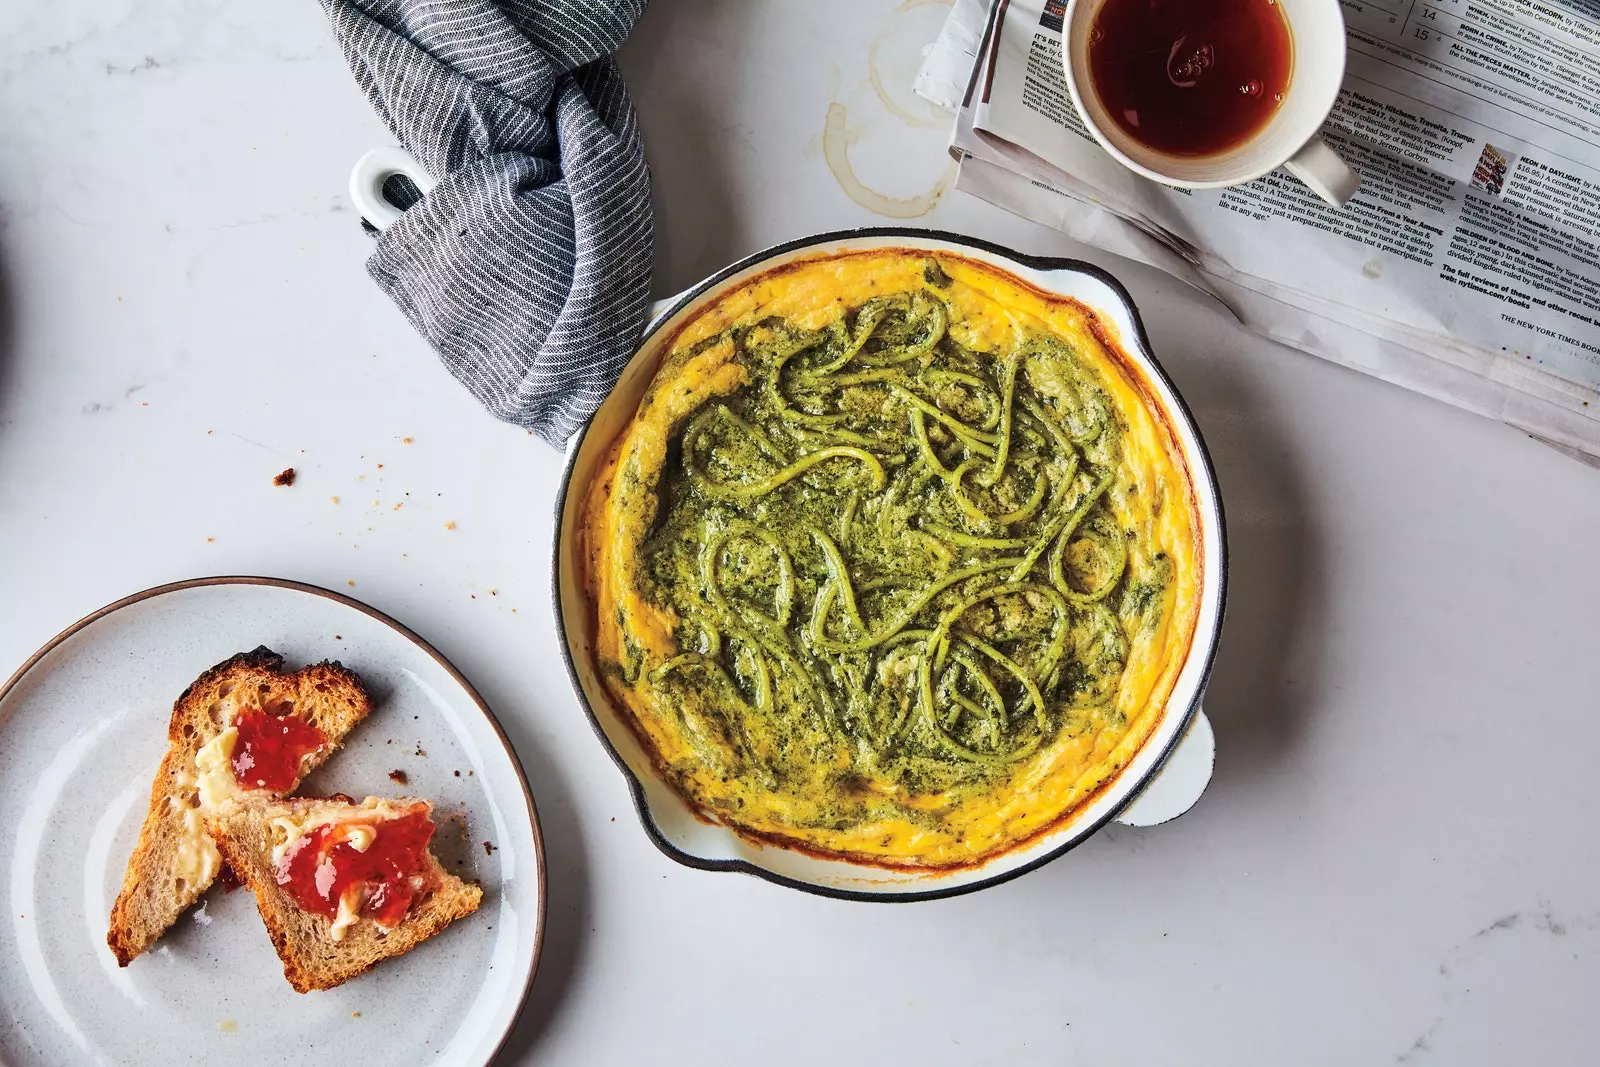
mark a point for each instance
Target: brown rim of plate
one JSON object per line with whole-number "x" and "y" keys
{"x": 399, "y": 628}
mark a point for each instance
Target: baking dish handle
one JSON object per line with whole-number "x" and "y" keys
{"x": 658, "y": 309}
{"x": 372, "y": 171}
{"x": 1178, "y": 785}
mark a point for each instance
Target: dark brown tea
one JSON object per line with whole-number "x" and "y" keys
{"x": 1190, "y": 77}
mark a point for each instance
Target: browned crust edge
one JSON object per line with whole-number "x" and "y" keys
{"x": 263, "y": 658}
{"x": 119, "y": 936}
{"x": 1135, "y": 376}
{"x": 259, "y": 658}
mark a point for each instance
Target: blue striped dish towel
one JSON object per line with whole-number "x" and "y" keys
{"x": 528, "y": 266}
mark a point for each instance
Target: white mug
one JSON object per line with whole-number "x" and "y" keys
{"x": 1288, "y": 140}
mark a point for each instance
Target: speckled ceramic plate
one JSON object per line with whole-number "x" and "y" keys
{"x": 82, "y": 729}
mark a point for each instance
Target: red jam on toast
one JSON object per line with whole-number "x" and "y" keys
{"x": 323, "y": 867}
{"x": 271, "y": 749}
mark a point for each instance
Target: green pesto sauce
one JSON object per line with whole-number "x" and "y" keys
{"x": 892, "y": 559}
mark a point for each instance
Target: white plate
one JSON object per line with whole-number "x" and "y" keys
{"x": 82, "y": 729}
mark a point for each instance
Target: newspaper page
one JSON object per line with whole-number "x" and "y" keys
{"x": 1467, "y": 267}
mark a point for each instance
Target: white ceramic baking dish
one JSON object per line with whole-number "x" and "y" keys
{"x": 1162, "y": 781}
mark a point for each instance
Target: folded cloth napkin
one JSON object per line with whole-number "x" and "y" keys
{"x": 528, "y": 266}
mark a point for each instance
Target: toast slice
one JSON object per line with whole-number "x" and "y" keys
{"x": 342, "y": 886}
{"x": 265, "y": 713}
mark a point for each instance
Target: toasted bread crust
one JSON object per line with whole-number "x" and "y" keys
{"x": 152, "y": 896}
{"x": 311, "y": 958}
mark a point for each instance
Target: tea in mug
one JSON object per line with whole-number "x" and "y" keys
{"x": 1190, "y": 77}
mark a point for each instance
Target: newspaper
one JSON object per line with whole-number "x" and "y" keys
{"x": 1468, "y": 265}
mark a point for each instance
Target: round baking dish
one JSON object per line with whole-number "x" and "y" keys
{"x": 1164, "y": 778}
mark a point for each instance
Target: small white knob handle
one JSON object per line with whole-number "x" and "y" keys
{"x": 372, "y": 171}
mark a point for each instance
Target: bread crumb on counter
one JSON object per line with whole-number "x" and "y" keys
{"x": 397, "y": 776}
{"x": 284, "y": 477}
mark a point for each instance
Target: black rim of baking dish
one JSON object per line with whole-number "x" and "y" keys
{"x": 741, "y": 866}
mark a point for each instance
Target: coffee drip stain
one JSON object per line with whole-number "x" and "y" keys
{"x": 838, "y": 136}
{"x": 836, "y": 141}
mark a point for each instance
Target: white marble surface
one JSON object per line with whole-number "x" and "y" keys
{"x": 1397, "y": 861}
